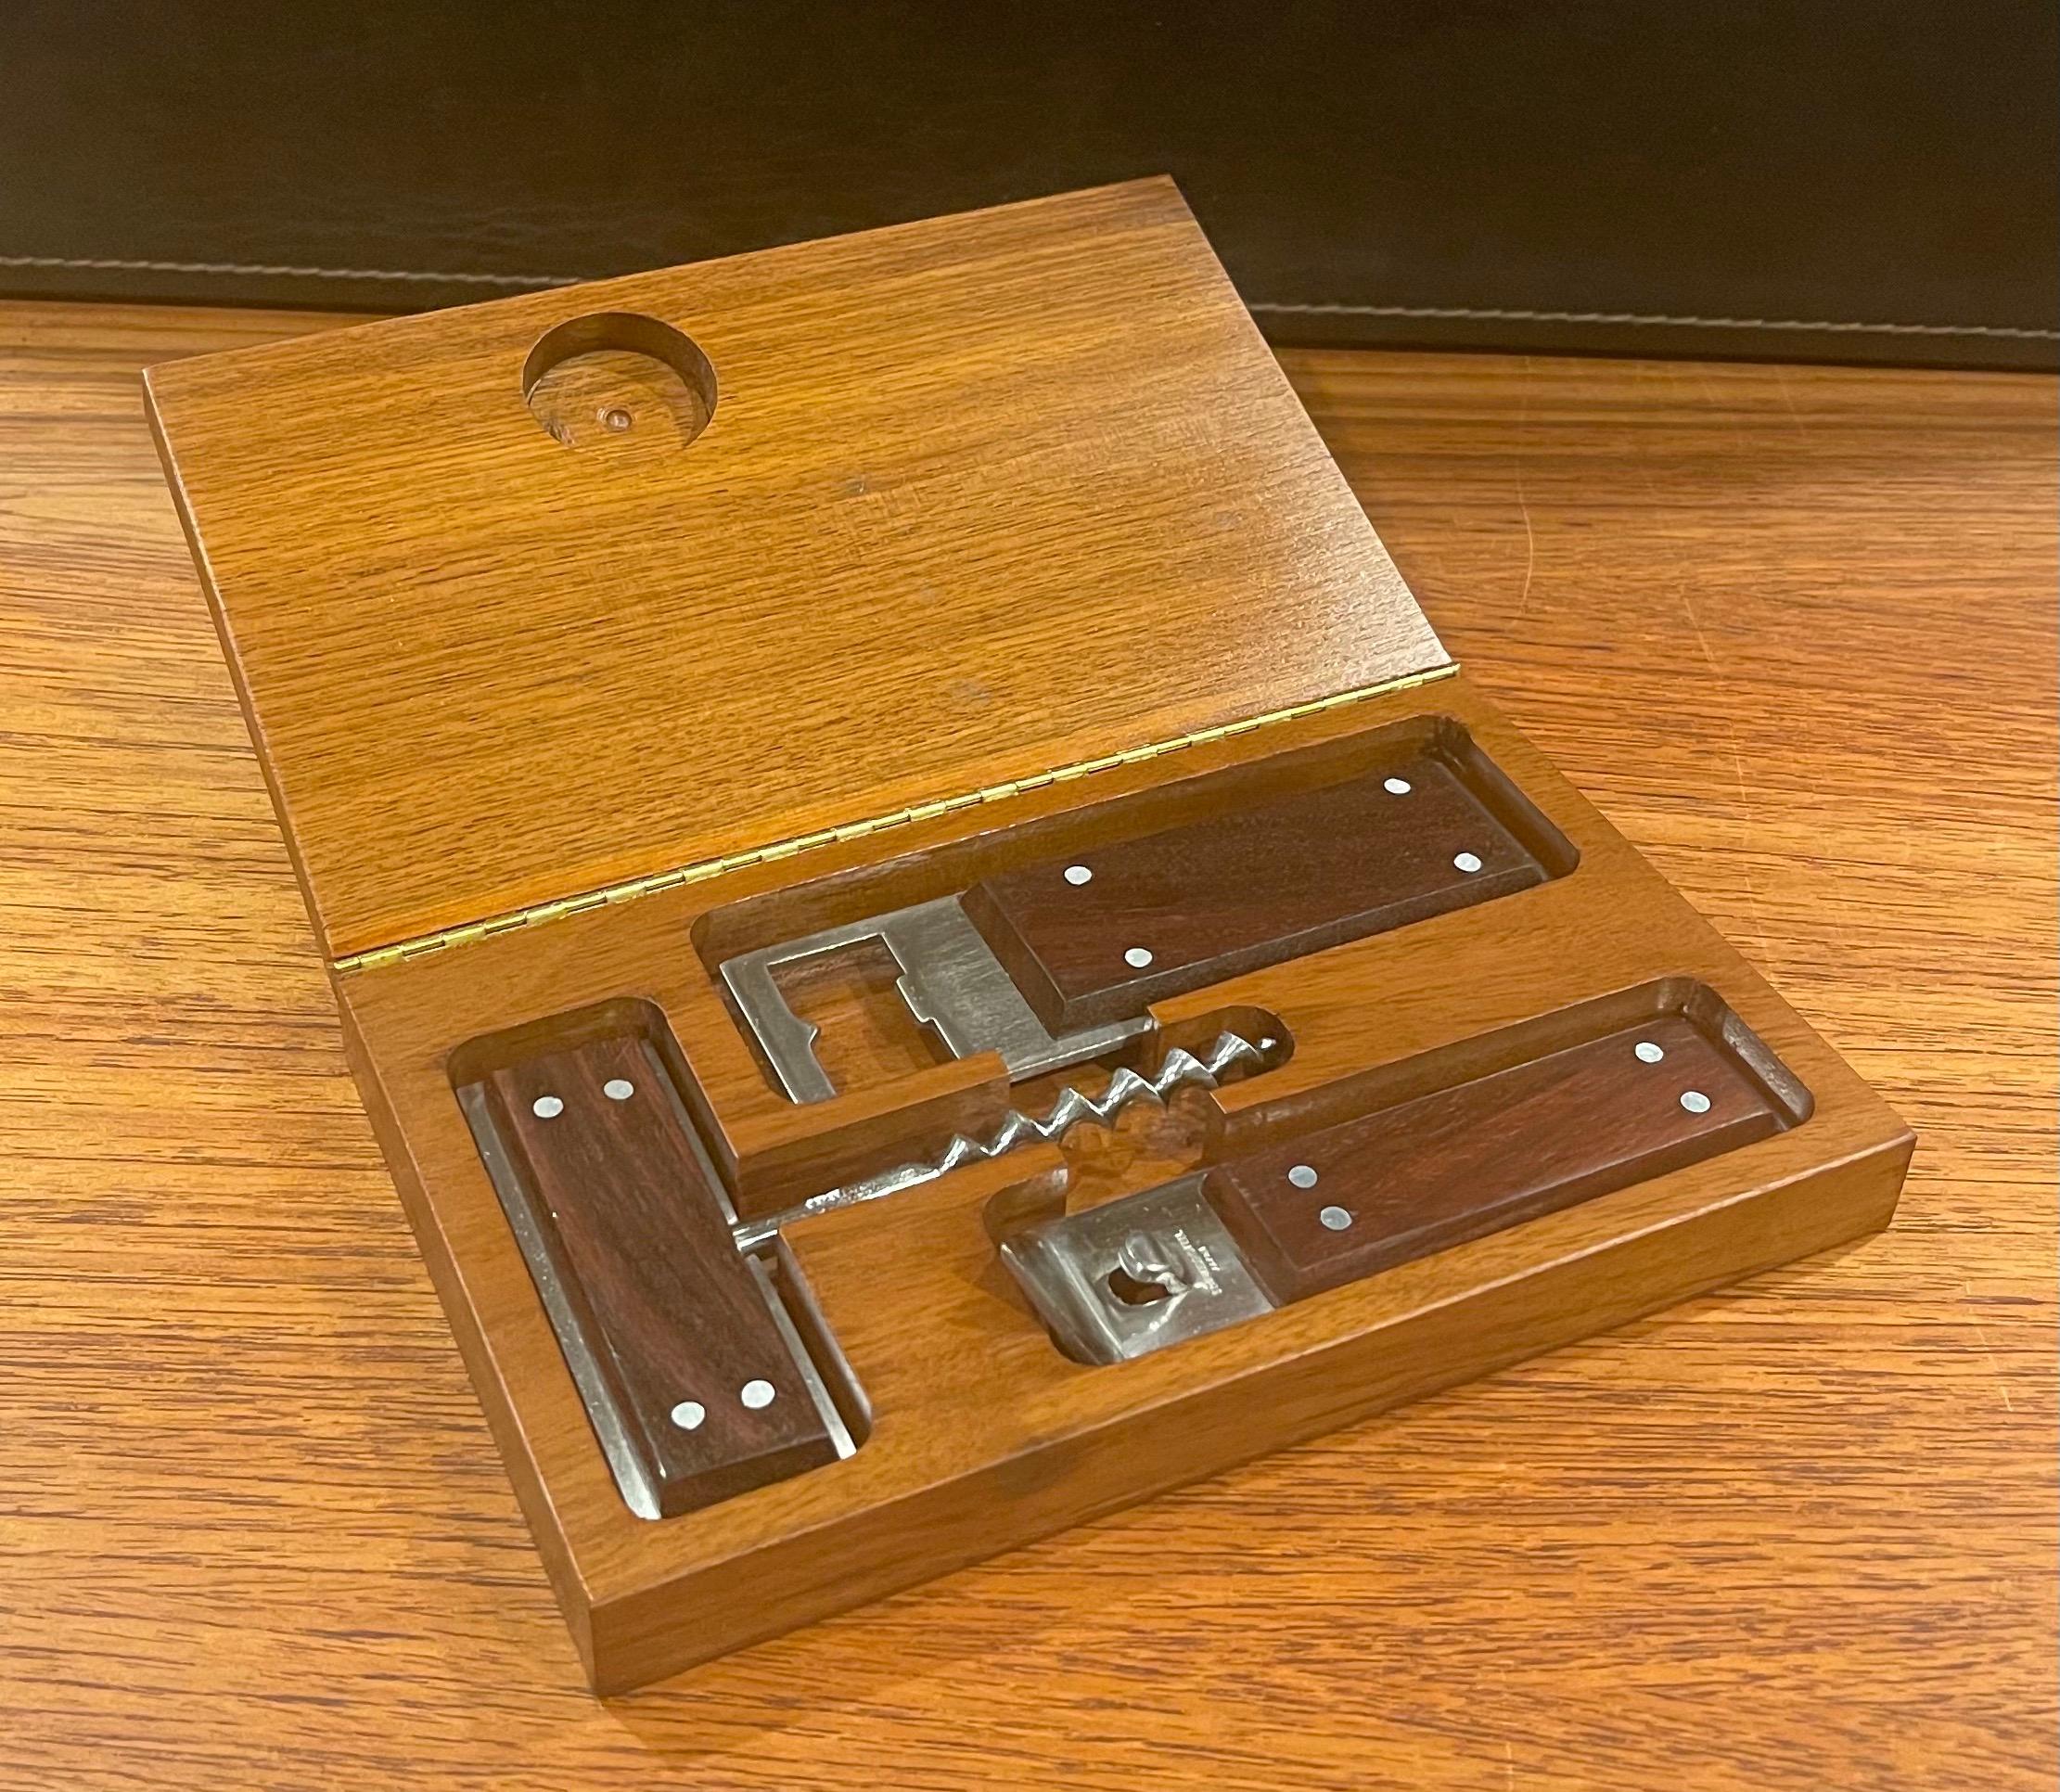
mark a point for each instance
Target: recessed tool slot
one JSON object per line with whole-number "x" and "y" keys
{"x": 1174, "y": 800}
{"x": 1102, "y": 932}
{"x": 1048, "y": 942}
{"x": 1611, "y": 1107}
{"x": 702, "y": 1366}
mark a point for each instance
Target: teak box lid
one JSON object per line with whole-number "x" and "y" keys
{"x": 979, "y": 498}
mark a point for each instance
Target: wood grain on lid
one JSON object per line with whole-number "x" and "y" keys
{"x": 977, "y": 498}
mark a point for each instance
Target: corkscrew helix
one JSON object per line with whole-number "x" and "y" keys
{"x": 1179, "y": 1068}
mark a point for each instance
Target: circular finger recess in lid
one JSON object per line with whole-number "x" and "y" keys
{"x": 619, "y": 383}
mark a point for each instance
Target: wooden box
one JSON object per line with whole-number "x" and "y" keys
{"x": 596, "y": 639}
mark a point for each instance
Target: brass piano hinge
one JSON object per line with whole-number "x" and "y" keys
{"x": 631, "y": 889}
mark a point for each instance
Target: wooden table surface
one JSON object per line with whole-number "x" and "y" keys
{"x": 1793, "y": 629}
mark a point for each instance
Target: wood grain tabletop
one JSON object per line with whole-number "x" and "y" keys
{"x": 1793, "y": 629}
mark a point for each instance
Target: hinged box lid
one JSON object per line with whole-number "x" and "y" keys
{"x": 536, "y": 597}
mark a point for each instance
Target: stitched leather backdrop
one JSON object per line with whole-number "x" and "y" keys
{"x": 1816, "y": 178}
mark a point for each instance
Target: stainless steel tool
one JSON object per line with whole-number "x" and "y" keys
{"x": 1135, "y": 1274}
{"x": 1181, "y": 1070}
{"x": 950, "y": 980}
{"x": 1302, "y": 1216}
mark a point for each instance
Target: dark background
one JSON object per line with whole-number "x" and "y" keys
{"x": 1814, "y": 179}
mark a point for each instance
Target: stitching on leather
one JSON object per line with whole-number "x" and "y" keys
{"x": 1512, "y": 317}
{"x": 302, "y": 272}
{"x": 1489, "y": 313}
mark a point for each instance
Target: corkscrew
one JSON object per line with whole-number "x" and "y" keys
{"x": 1179, "y": 1068}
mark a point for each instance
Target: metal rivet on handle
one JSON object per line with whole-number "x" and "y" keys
{"x": 1646, "y": 1052}
{"x": 1468, "y": 861}
{"x": 1079, "y": 874}
{"x": 1336, "y": 1218}
{"x": 689, "y": 1415}
{"x": 1137, "y": 957}
{"x": 1304, "y": 1176}
{"x": 1695, "y": 1101}
{"x": 1395, "y": 787}
{"x": 756, "y": 1394}
{"x": 619, "y": 1088}
{"x": 546, "y": 1107}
